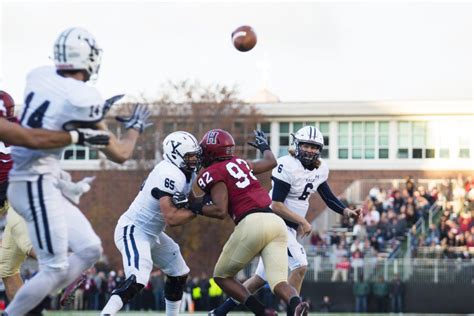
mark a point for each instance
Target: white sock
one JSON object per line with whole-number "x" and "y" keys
{"x": 113, "y": 305}
{"x": 172, "y": 307}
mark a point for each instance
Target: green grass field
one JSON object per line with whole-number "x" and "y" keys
{"x": 85, "y": 313}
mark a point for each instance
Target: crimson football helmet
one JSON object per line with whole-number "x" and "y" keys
{"x": 216, "y": 144}
{"x": 7, "y": 105}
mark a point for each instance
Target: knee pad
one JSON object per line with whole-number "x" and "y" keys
{"x": 128, "y": 289}
{"x": 174, "y": 286}
{"x": 91, "y": 254}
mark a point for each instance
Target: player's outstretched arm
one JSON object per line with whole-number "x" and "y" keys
{"x": 14, "y": 134}
{"x": 120, "y": 150}
{"x": 335, "y": 204}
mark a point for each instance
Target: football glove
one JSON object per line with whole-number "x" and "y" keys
{"x": 138, "y": 119}
{"x": 90, "y": 137}
{"x": 73, "y": 190}
{"x": 261, "y": 142}
{"x": 109, "y": 102}
{"x": 180, "y": 200}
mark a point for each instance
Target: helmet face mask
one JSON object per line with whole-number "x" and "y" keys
{"x": 311, "y": 137}
{"x": 77, "y": 49}
{"x": 191, "y": 164}
{"x": 182, "y": 149}
{"x": 217, "y": 145}
{"x": 308, "y": 157}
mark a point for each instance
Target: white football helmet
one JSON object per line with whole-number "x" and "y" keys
{"x": 77, "y": 49}
{"x": 178, "y": 146}
{"x": 308, "y": 135}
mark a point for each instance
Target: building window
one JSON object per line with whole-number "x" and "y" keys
{"x": 464, "y": 140}
{"x": 285, "y": 140}
{"x": 433, "y": 139}
{"x": 76, "y": 152}
{"x": 363, "y": 140}
{"x": 416, "y": 140}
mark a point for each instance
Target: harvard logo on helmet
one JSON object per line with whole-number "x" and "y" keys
{"x": 212, "y": 137}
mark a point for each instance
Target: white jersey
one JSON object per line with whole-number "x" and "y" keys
{"x": 144, "y": 212}
{"x": 56, "y": 103}
{"x": 302, "y": 182}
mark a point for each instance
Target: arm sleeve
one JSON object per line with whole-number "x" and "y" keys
{"x": 280, "y": 190}
{"x": 330, "y": 199}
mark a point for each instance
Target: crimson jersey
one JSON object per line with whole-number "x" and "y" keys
{"x": 6, "y": 162}
{"x": 244, "y": 190}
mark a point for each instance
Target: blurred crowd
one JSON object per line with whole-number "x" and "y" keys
{"x": 388, "y": 216}
{"x": 450, "y": 235}
{"x": 201, "y": 293}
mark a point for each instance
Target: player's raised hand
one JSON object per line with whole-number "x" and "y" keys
{"x": 180, "y": 200}
{"x": 90, "y": 137}
{"x": 354, "y": 214}
{"x": 261, "y": 142}
{"x": 110, "y": 101}
{"x": 138, "y": 119}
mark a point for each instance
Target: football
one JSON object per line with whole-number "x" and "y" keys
{"x": 244, "y": 38}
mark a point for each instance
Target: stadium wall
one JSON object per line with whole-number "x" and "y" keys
{"x": 202, "y": 239}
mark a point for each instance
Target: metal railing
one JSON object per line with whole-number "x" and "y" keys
{"x": 321, "y": 269}
{"x": 415, "y": 270}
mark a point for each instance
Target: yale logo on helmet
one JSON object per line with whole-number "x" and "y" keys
{"x": 212, "y": 137}
{"x": 174, "y": 146}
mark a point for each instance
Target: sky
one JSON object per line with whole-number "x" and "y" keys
{"x": 306, "y": 51}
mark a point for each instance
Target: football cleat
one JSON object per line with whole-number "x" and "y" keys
{"x": 68, "y": 295}
{"x": 302, "y": 309}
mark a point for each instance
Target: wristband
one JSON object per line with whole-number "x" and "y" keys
{"x": 196, "y": 208}
{"x": 74, "y": 136}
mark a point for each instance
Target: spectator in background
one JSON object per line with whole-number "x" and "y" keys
{"x": 465, "y": 220}
{"x": 410, "y": 186}
{"x": 357, "y": 245}
{"x": 359, "y": 231}
{"x": 361, "y": 290}
{"x": 101, "y": 283}
{"x": 432, "y": 235}
{"x": 90, "y": 290}
{"x": 197, "y": 294}
{"x": 187, "y": 300}
{"x": 397, "y": 201}
{"x": 357, "y": 263}
{"x": 424, "y": 194}
{"x": 397, "y": 292}
{"x": 342, "y": 270}
{"x": 215, "y": 294}
{"x": 381, "y": 290}
{"x": 204, "y": 285}
{"x": 326, "y": 305}
{"x": 372, "y": 217}
{"x": 158, "y": 284}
